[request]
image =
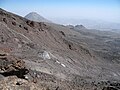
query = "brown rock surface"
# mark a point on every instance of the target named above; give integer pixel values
(14, 83)
(9, 65)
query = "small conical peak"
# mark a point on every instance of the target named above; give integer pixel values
(34, 16)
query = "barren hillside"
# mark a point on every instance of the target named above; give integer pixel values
(54, 56)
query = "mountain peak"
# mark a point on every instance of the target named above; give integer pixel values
(34, 16)
(34, 13)
(80, 27)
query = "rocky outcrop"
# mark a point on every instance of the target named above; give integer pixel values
(14, 83)
(10, 65)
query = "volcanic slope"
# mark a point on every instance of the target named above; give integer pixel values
(48, 48)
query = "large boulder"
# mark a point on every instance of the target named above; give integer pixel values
(45, 55)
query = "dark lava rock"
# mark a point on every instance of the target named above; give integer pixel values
(110, 88)
(10, 65)
(5, 20)
(14, 23)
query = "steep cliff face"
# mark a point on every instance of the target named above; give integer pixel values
(51, 53)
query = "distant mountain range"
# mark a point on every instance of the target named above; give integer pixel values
(88, 23)
(36, 17)
(91, 24)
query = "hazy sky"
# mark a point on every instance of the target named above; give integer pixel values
(108, 10)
